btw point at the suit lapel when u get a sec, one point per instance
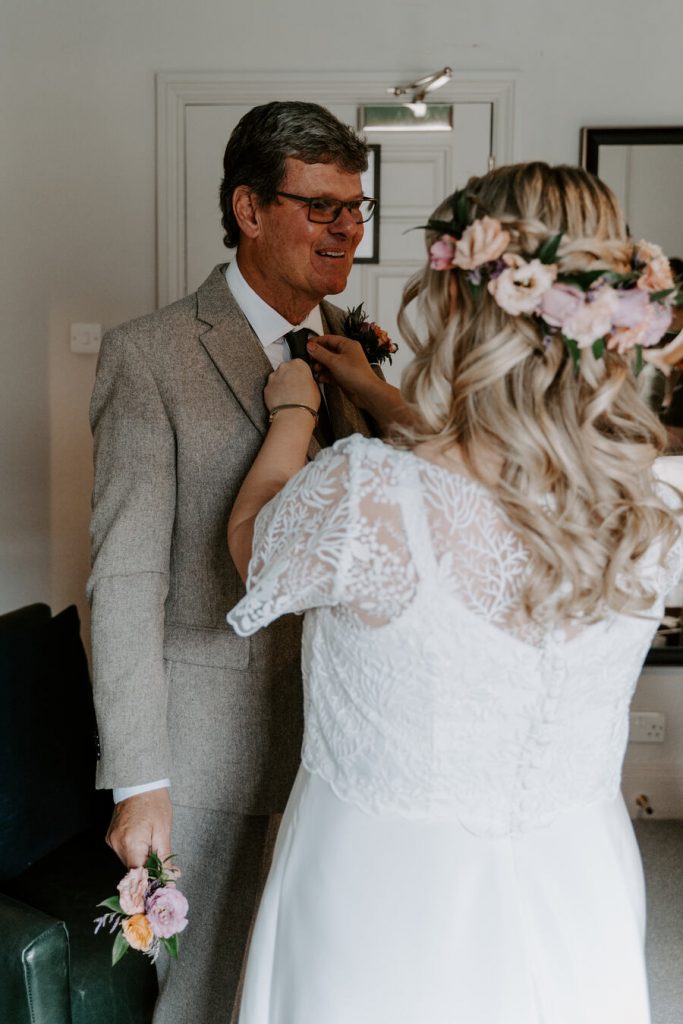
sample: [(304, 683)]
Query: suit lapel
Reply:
[(235, 350)]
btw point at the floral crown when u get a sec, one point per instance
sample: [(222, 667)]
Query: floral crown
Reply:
[(597, 309)]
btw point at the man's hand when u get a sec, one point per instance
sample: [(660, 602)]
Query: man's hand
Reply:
[(140, 824)]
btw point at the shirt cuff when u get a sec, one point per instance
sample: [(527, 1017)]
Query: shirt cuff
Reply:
[(125, 791)]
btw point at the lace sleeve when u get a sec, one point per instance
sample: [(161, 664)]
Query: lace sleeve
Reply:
[(300, 538)]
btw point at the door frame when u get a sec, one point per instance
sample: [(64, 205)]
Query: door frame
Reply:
[(176, 91)]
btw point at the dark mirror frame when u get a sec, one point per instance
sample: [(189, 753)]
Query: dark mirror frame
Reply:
[(591, 141), (593, 138), (373, 226)]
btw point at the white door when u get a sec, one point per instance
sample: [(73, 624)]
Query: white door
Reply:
[(417, 171)]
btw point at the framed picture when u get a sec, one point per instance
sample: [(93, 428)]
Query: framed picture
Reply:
[(368, 250)]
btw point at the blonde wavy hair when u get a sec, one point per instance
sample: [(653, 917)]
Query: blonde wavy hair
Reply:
[(573, 451)]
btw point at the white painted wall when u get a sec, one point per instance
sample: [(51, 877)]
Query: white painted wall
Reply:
[(77, 179)]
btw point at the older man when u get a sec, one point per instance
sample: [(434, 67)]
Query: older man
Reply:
[(200, 729)]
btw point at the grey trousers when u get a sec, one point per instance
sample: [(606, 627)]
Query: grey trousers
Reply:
[(223, 862)]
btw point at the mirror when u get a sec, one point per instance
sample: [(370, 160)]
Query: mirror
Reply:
[(644, 168)]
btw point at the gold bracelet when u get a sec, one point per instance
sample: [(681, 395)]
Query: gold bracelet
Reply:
[(292, 405)]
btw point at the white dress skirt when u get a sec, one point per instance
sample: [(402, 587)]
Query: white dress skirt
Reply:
[(379, 920), (455, 849)]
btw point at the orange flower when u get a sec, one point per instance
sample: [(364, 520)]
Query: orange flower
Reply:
[(647, 251), (138, 932), (657, 276), (383, 339)]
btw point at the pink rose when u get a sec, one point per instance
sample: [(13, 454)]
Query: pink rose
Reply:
[(647, 332), (561, 302), (521, 286), (441, 253), (631, 308), (166, 909), (482, 242), (657, 323), (132, 889), (657, 276), (594, 319)]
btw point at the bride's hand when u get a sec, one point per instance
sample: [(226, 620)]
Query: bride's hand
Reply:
[(292, 384)]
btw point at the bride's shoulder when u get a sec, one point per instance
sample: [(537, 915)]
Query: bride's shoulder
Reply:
[(357, 448), (368, 464)]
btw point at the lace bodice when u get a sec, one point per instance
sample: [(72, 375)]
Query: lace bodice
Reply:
[(426, 695)]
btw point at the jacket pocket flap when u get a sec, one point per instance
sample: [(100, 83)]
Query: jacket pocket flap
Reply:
[(200, 645)]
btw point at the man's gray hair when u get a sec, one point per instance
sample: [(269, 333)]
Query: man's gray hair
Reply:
[(263, 139)]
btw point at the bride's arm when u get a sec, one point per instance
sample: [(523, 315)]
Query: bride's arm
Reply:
[(282, 454), (343, 360)]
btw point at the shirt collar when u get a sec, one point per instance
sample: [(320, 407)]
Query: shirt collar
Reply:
[(268, 324)]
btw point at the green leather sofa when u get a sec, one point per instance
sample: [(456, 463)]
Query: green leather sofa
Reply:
[(54, 864)]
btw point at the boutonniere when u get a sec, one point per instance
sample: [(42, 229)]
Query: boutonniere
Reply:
[(376, 343), (148, 913)]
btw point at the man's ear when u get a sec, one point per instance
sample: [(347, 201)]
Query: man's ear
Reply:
[(245, 208)]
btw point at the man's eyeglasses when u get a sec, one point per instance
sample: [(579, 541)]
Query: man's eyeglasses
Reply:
[(326, 211)]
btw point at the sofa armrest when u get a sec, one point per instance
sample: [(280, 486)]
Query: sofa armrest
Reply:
[(34, 966)]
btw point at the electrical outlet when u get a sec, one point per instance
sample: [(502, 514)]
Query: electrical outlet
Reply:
[(647, 727), (85, 338)]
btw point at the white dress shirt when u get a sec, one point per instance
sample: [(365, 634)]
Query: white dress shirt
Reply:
[(270, 329), (268, 325)]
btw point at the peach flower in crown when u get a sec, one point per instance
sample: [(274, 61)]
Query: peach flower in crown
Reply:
[(484, 241), (656, 276), (646, 252)]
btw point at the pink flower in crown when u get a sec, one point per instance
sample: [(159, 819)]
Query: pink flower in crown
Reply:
[(484, 241), (441, 253), (561, 302), (646, 332), (594, 319), (132, 889), (521, 286), (166, 909), (632, 307), (657, 276)]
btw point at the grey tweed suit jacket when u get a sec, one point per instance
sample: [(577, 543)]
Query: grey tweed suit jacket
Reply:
[(178, 418)]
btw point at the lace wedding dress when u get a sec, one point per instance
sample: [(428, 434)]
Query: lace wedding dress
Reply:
[(455, 849)]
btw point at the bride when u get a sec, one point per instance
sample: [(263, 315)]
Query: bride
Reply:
[(480, 594)]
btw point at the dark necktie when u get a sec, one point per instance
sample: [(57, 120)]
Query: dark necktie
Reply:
[(296, 340)]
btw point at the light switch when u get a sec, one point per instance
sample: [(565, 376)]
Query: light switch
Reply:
[(86, 338)]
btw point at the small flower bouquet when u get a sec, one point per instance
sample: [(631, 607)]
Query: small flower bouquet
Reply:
[(149, 913), (376, 343)]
